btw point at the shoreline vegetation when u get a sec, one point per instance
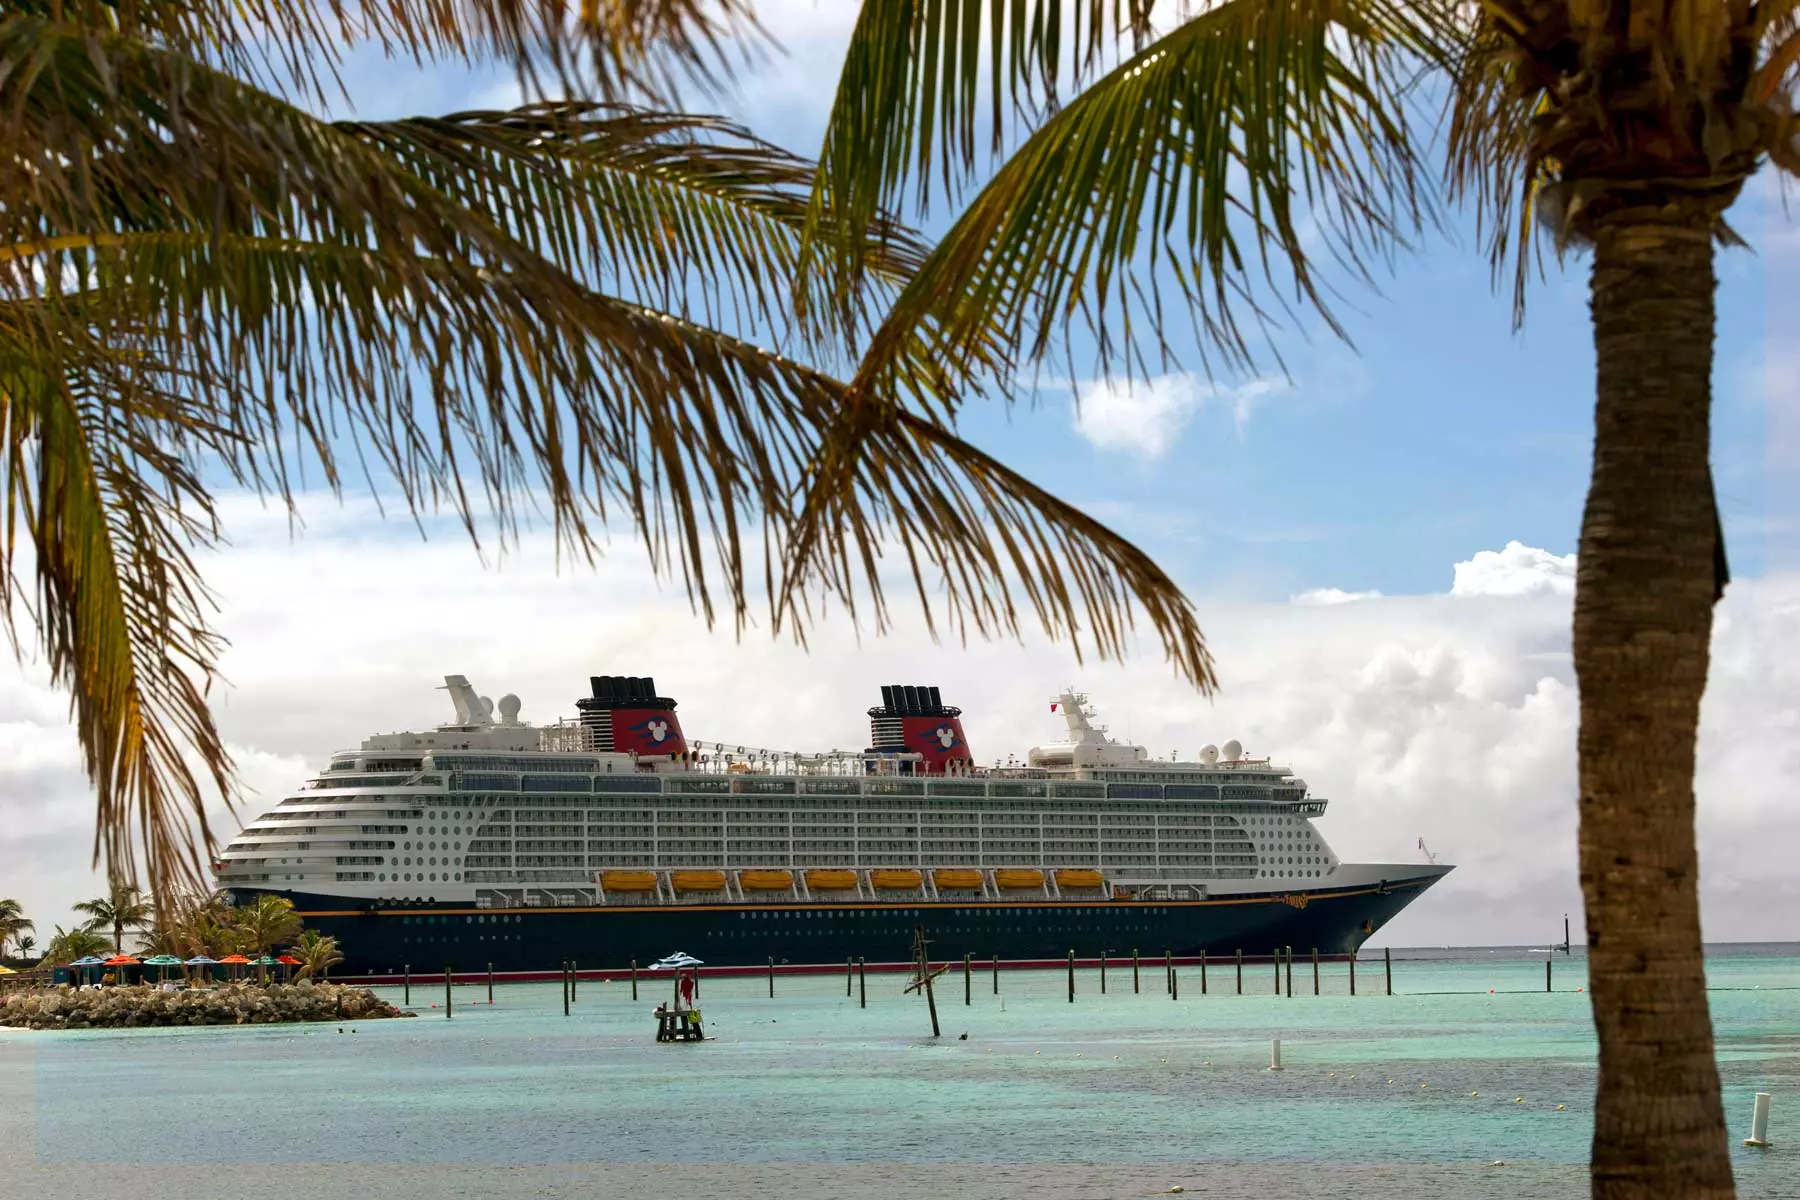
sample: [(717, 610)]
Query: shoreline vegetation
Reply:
[(148, 1005)]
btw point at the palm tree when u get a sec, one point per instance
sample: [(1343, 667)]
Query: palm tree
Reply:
[(122, 908), (577, 304), (317, 953), (266, 923), (67, 945), (25, 944), (13, 923), (1216, 164)]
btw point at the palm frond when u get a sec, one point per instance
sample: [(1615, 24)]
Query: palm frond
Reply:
[(96, 484), (613, 47), (915, 80)]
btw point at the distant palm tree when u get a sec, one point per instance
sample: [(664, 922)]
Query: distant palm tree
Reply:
[(26, 944), (121, 909), (318, 953), (265, 924), (13, 922), (67, 945)]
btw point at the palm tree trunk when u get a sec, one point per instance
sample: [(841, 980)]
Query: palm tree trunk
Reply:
[(1649, 572)]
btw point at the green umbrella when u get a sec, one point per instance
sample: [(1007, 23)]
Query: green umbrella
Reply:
[(161, 962)]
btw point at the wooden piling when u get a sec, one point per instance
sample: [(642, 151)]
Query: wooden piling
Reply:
[(1203, 972), (849, 977), (1134, 971), (1174, 983), (968, 978), (771, 977), (1353, 972), (406, 977), (565, 983), (634, 979), (1546, 974), (996, 974), (1387, 963), (1278, 970), (574, 977), (1289, 951), (1071, 977), (490, 984), (862, 982), (448, 1007), (1103, 972), (1240, 972), (1168, 970)]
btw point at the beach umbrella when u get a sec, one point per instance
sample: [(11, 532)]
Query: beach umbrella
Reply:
[(200, 960), (288, 961), (162, 962), (7, 971), (121, 961), (86, 961), (235, 960)]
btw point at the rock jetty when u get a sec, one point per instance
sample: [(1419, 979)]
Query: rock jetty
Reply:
[(231, 1004)]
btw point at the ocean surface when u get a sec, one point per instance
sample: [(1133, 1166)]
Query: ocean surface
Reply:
[(1469, 1081)]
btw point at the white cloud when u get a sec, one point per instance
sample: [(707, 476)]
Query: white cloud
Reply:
[(1142, 416), (1518, 570), (1317, 597), (1449, 717)]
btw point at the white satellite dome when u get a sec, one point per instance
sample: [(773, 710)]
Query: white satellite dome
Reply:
[(1209, 754), (1233, 750), (509, 709)]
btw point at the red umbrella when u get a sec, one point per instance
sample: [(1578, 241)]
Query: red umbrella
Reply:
[(288, 960), (120, 960)]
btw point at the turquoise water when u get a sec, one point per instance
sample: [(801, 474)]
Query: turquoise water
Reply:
[(1116, 1095)]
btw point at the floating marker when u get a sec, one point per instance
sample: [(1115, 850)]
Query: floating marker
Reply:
[(1759, 1122), (1275, 1054)]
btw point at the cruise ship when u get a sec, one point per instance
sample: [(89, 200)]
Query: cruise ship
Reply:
[(609, 837)]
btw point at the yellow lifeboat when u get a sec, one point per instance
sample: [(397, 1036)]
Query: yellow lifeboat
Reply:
[(1069, 878), (698, 881), (628, 881), (831, 881), (895, 880), (765, 881), (1019, 879), (957, 880)]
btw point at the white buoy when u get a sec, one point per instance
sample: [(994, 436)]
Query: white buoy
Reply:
[(1275, 1054), (1759, 1122)]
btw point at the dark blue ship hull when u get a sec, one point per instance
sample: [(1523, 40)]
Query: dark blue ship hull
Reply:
[(386, 940)]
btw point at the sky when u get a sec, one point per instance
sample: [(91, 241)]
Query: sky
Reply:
[(1379, 543)]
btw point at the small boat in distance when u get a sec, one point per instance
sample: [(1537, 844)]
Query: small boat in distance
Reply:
[(676, 962)]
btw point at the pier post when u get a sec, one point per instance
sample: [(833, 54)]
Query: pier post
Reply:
[(968, 978), (1278, 970), (1546, 974), (996, 973), (849, 977), (1174, 983), (1203, 972), (1134, 971), (406, 976), (862, 981), (1275, 1054), (574, 977), (565, 981), (1759, 1122), (1103, 972), (1353, 972), (1387, 966), (1315, 970), (1289, 951), (634, 979), (771, 977), (1168, 970), (490, 984), (1071, 977), (448, 1007), (1240, 972)]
